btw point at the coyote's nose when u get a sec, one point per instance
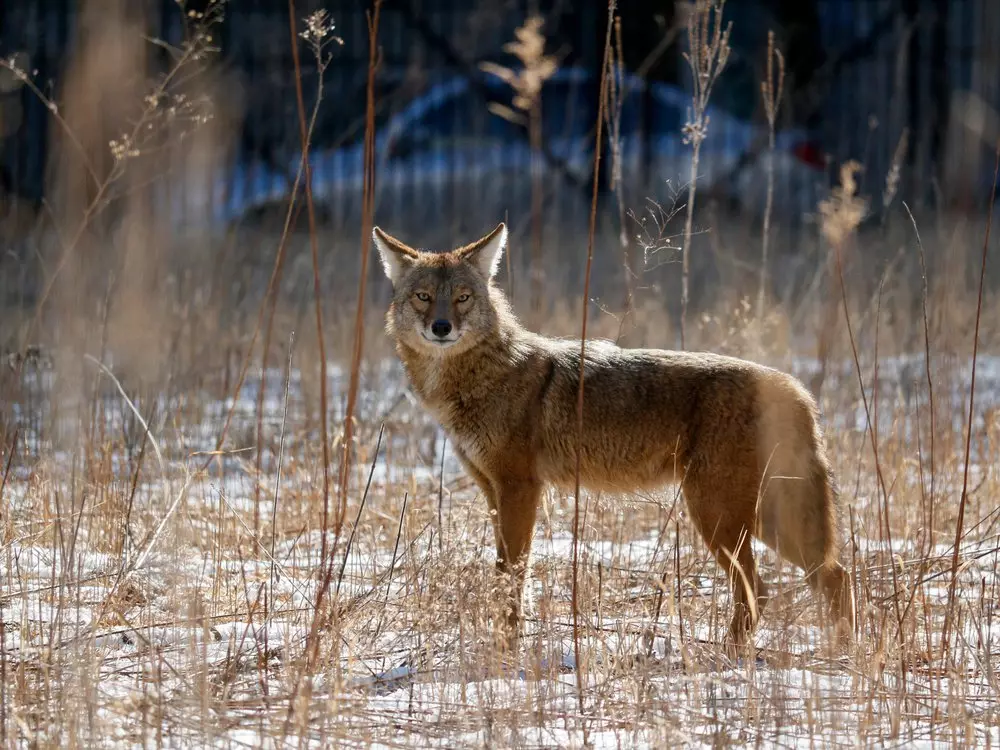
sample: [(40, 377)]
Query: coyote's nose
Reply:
[(441, 328)]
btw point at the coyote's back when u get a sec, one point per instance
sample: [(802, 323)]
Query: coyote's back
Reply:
[(744, 440)]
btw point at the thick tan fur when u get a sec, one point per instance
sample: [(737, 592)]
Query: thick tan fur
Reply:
[(743, 439)]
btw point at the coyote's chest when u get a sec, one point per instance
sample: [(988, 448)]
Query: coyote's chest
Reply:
[(469, 421), (472, 403)]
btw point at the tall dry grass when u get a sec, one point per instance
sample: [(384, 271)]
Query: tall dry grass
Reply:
[(166, 527)]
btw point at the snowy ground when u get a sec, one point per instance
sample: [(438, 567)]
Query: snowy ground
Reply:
[(148, 601)]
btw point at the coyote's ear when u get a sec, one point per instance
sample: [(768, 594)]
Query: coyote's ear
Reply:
[(396, 257), (485, 253)]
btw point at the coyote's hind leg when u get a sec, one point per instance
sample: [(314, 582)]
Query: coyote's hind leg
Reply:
[(724, 518)]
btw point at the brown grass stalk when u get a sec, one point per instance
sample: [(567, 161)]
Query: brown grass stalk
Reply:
[(592, 226), (537, 67), (10, 461), (270, 294), (924, 293), (361, 509), (269, 599), (771, 89), (840, 216), (304, 135), (927, 494), (368, 206), (616, 102), (873, 437), (312, 639), (272, 286), (304, 175), (271, 303), (959, 523), (537, 194)]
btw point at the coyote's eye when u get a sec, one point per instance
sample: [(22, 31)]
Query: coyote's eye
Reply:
[(463, 298), (423, 296)]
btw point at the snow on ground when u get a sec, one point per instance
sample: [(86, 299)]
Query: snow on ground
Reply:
[(193, 632)]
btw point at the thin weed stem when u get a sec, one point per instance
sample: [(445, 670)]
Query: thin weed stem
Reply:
[(949, 616), (368, 207), (708, 51), (305, 136), (605, 74), (771, 90)]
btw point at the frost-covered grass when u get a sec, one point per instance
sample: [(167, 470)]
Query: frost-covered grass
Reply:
[(133, 618)]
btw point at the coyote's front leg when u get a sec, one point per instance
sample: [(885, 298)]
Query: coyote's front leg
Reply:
[(513, 507), (514, 524)]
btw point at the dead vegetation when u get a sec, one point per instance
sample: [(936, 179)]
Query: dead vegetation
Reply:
[(163, 509)]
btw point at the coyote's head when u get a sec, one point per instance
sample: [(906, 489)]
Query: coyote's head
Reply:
[(442, 302)]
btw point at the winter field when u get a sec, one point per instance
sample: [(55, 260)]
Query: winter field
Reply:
[(159, 593), (224, 521)]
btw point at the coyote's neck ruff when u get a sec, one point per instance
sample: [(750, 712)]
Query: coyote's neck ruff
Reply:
[(743, 439)]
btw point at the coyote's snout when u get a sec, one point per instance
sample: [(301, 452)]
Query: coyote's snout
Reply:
[(743, 439)]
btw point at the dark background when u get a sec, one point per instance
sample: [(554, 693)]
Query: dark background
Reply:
[(848, 61)]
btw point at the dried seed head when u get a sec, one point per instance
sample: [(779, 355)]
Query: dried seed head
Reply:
[(843, 211), (892, 177), (529, 48)]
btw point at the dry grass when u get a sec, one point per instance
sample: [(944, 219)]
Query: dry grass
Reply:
[(152, 596), (204, 639)]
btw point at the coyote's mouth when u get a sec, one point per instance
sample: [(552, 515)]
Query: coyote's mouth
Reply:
[(440, 343)]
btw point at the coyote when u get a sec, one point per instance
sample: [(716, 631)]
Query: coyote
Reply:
[(743, 439)]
